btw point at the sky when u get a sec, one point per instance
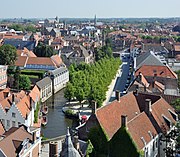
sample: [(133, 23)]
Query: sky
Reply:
[(88, 8)]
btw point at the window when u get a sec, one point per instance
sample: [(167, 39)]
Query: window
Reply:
[(13, 115), (13, 123), (8, 123)]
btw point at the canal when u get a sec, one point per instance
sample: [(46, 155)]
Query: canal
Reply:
[(57, 122)]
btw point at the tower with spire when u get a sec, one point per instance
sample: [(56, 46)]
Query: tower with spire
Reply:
[(95, 20)]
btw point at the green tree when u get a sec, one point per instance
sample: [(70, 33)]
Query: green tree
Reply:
[(8, 55), (176, 105), (80, 95), (17, 27), (43, 50), (69, 92), (17, 77), (24, 82), (30, 28)]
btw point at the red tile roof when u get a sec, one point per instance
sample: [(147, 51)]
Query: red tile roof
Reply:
[(35, 94), (161, 71), (2, 130), (9, 145), (21, 61), (24, 106), (109, 116), (159, 109), (57, 60), (141, 127), (40, 61)]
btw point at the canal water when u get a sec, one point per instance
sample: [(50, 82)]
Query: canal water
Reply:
[(57, 122)]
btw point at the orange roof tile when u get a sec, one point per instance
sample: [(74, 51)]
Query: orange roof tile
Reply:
[(109, 116), (177, 47), (57, 60), (35, 94), (9, 144), (139, 128), (24, 106), (21, 61), (160, 108), (40, 61), (161, 71), (2, 130)]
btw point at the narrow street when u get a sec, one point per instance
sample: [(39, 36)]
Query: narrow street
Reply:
[(122, 78)]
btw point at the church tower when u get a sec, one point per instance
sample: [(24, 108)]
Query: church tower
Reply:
[(95, 20)]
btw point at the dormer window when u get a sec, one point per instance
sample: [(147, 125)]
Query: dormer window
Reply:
[(173, 114), (167, 120)]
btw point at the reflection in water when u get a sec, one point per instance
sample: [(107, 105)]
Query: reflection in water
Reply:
[(57, 123)]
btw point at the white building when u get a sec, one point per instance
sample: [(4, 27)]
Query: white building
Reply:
[(59, 77), (3, 76), (18, 108)]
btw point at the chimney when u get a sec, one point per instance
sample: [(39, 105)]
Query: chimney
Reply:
[(13, 98), (53, 149), (94, 106), (34, 137), (117, 95), (148, 106), (140, 77), (123, 120), (144, 88), (135, 92), (76, 143)]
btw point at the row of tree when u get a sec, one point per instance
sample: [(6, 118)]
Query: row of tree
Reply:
[(23, 28), (90, 82)]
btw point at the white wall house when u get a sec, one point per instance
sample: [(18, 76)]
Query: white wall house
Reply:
[(45, 87), (59, 77), (18, 108), (3, 76)]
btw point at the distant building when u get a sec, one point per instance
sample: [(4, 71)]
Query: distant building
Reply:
[(3, 76)]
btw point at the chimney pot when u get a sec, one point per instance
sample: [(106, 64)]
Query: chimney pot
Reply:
[(148, 106), (94, 106), (123, 120), (53, 149), (117, 95)]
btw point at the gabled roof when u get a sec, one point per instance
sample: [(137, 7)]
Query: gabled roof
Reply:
[(21, 61), (161, 110), (44, 82), (40, 61), (109, 116), (35, 94), (8, 146), (57, 60), (161, 71), (147, 58), (141, 128), (24, 106), (2, 130)]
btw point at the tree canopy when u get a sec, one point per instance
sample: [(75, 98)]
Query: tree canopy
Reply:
[(90, 82), (24, 82), (43, 50), (8, 55), (23, 28)]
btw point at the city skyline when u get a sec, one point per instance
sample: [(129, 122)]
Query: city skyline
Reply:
[(81, 9)]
